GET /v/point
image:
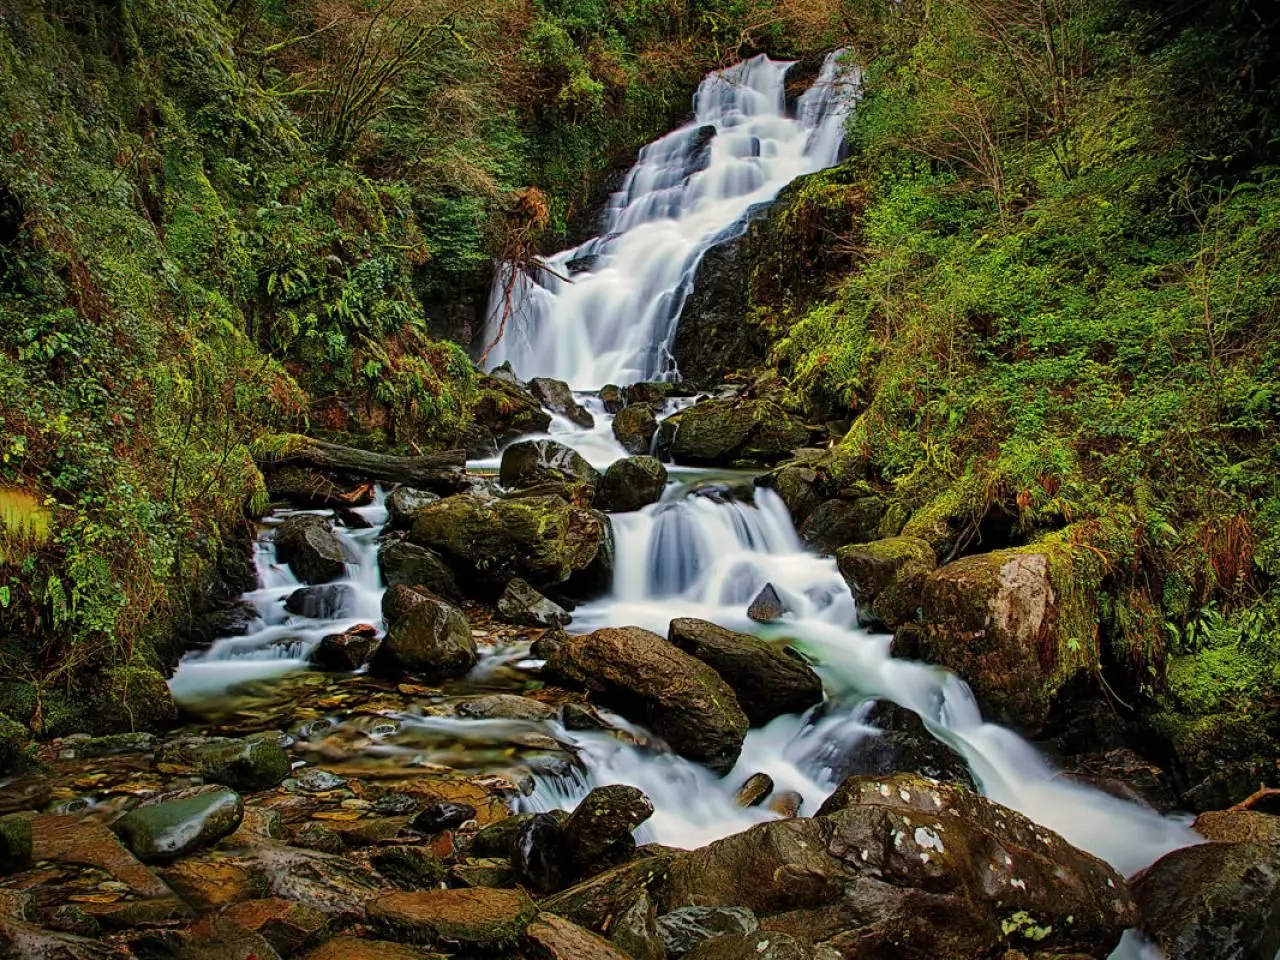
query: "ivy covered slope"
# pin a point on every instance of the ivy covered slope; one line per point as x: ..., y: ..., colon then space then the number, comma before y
x: 221, y: 221
x: 1049, y: 304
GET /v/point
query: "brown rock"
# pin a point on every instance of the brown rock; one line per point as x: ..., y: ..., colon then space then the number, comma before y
x: 358, y: 948
x: 213, y: 881
x: 68, y: 839
x: 477, y: 918
x: 754, y: 791
x: 286, y: 926
x: 887, y: 578
x: 555, y: 938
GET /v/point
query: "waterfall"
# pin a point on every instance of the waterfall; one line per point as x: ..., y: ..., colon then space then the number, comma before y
x: 606, y: 311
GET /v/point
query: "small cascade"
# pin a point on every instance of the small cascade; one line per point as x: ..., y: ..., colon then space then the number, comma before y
x: 606, y: 311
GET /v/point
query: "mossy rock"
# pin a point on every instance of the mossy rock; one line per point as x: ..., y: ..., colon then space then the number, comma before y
x: 887, y: 578
x: 630, y: 484
x: 634, y: 427
x: 432, y: 640
x: 13, y: 746
x: 15, y: 842
x: 531, y: 462
x: 477, y: 919
x: 240, y: 764
x: 175, y: 824
x: 722, y: 432
x: 131, y: 698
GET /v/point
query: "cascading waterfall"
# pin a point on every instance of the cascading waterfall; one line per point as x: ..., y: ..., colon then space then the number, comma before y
x: 606, y: 312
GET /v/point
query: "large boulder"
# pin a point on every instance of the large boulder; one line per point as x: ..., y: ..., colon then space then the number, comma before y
x: 769, y: 680
x: 720, y: 432
x: 432, y: 640
x: 1213, y: 900
x: 556, y: 396
x: 834, y: 523
x: 402, y: 563
x: 655, y: 683
x: 1015, y: 624
x: 543, y: 539
x: 887, y: 578
x: 631, y: 483
x: 634, y: 427
x: 307, y: 543
x: 531, y: 462
x: 503, y: 411
x: 908, y: 868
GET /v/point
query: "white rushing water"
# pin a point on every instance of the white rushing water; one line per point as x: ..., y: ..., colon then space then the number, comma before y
x: 606, y: 311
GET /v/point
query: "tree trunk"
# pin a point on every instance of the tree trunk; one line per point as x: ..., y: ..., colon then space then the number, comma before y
x: 438, y: 472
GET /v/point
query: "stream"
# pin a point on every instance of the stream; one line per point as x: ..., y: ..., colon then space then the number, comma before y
x: 606, y: 312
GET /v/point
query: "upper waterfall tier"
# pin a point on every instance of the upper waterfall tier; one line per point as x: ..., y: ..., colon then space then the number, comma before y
x: 606, y: 312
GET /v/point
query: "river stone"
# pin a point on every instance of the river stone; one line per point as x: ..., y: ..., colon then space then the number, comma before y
x: 634, y: 427
x: 307, y: 543
x: 767, y: 606
x: 522, y: 604
x: 613, y: 397
x: 505, y: 706
x: 476, y: 919
x: 903, y: 745
x: 410, y: 868
x: 531, y: 462
x: 538, y: 856
x: 440, y: 817
x: 328, y: 601
x: 555, y: 938
x: 651, y: 391
x: 174, y: 824
x: 771, y: 945
x: 602, y: 826
x: 769, y: 681
x: 503, y: 411
x: 594, y: 902
x: 887, y: 578
x: 683, y: 929
x: 835, y: 523
x: 15, y: 843
x: 635, y: 928
x: 556, y: 396
x: 363, y: 948
x: 721, y: 432
x: 1238, y: 826
x: 345, y: 652
x: 906, y: 860
x: 655, y: 683
x: 288, y: 927
x: 412, y: 565
x: 1213, y: 900
x: 403, y: 503
x: 631, y: 483
x: 433, y: 641
x: 248, y: 765
x: 496, y: 839
x: 399, y: 601
x: 755, y: 791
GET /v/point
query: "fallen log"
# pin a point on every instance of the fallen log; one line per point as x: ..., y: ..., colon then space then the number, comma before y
x: 438, y: 472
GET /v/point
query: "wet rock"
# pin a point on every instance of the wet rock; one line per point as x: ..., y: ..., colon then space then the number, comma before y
x: 72, y: 919
x: 531, y: 462
x: 403, y: 502
x: 835, y: 523
x: 315, y: 780
x: 767, y: 606
x: 67, y: 839
x: 315, y: 836
x: 1213, y: 900
x: 754, y: 791
x: 998, y: 620
x: 544, y: 540
x: 613, y: 397
x: 30, y: 791
x: 634, y: 427
x: 497, y: 838
x: 538, y: 856
x: 174, y: 824
x: 766, y: 945
x: 555, y: 938
x: 631, y: 483
x: 1122, y: 773
x: 212, y: 881
x: 338, y: 886
x: 903, y: 745
x: 593, y: 903
x: 128, y: 697
x: 483, y: 872
x: 362, y: 948
x: 505, y: 706
x: 579, y: 716
x: 1238, y: 826
x: 411, y: 565
x: 522, y: 604
x: 503, y: 411
x: 399, y: 600
x: 769, y: 681
x: 683, y: 929
x: 653, y: 391
x: 786, y: 803
x: 211, y: 938
x: 887, y: 578
x: 15, y: 843
x: 679, y: 697
x: 410, y: 868
x: 313, y: 490
x: 87, y: 748
x: 241, y: 764
x: 910, y: 861
x: 556, y: 396
x: 476, y: 919
x: 602, y: 825
x: 325, y: 602
x: 288, y: 927
x: 307, y: 543
x: 440, y: 817
x: 635, y: 928
x: 720, y: 432
x: 432, y: 641
x: 345, y: 652
x: 25, y: 941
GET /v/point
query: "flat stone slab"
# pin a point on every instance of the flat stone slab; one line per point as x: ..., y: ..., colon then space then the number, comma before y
x: 68, y: 839
x: 476, y: 917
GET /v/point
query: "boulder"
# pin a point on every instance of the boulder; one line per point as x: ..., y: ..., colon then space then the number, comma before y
x: 655, y: 683
x: 247, y: 765
x: 905, y: 867
x: 799, y: 484
x: 398, y: 601
x: 653, y: 392
x: 288, y: 927
x: 594, y: 903
x: 503, y: 411
x: 767, y: 606
x: 460, y: 921
x: 721, y: 432
x: 523, y: 605
x: 834, y: 523
x: 769, y: 681
x: 328, y: 601
x: 555, y: 938
x: 498, y: 838
x: 307, y: 543
x: 635, y: 928
x: 173, y: 824
x: 613, y: 397
x: 634, y: 427
x: 1238, y: 826
x: 532, y: 462
x: 403, y: 502
x: 631, y: 483
x: 130, y: 697
x: 544, y: 539
x: 887, y: 578
x: 1213, y: 900
x: 433, y: 641
x: 601, y: 824
x: 901, y: 745
x: 556, y: 396
x: 1001, y: 622
x: 537, y: 854
x: 685, y: 928
x: 411, y: 565
x: 345, y: 652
